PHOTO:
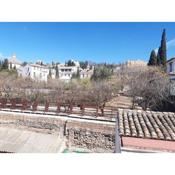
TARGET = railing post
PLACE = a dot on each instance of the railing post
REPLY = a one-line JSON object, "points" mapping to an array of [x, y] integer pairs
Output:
{"points": [[117, 136], [35, 105], [24, 104], [58, 106], [46, 106]]}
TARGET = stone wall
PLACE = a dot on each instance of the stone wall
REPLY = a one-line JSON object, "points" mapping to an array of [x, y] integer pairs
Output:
{"points": [[82, 134], [90, 137], [33, 123]]}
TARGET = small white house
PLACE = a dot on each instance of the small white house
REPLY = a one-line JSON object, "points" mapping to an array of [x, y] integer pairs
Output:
{"points": [[170, 65], [13, 62], [86, 73], [66, 72], [34, 71], [53, 73]]}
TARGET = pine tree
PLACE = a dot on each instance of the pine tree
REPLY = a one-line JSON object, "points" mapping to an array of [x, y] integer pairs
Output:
{"points": [[162, 53], [153, 59]]}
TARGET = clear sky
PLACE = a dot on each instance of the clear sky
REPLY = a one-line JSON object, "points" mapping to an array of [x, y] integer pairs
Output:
{"points": [[97, 42]]}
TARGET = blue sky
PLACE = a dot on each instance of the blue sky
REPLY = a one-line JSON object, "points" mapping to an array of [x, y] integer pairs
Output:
{"points": [[97, 42]]}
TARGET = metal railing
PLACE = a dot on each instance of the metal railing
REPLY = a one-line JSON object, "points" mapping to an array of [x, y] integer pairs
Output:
{"points": [[59, 107]]}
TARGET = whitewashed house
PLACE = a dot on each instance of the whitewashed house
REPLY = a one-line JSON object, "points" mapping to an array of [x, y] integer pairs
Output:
{"points": [[13, 62], [66, 72], [41, 72], [34, 71], [53, 73], [170, 66], [86, 73]]}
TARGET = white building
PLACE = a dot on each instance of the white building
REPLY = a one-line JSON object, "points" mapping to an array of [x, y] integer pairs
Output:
{"points": [[170, 66], [13, 62], [135, 63], [53, 73], [86, 73], [66, 72], [34, 71], [40, 72]]}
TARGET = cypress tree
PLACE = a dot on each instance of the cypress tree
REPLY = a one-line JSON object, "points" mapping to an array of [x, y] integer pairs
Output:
{"points": [[163, 54], [158, 57], [153, 59], [10, 65], [50, 74], [5, 64], [57, 71]]}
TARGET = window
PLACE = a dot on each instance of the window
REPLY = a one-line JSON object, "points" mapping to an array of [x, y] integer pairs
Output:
{"points": [[171, 67], [34, 74]]}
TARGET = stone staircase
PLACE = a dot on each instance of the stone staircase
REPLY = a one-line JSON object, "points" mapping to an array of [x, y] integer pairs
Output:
{"points": [[122, 102]]}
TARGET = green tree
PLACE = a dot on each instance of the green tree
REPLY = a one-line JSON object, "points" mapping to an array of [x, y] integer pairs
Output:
{"points": [[5, 64], [24, 63], [57, 71], [50, 73], [102, 72], [163, 50], [83, 64], [152, 59], [70, 63], [76, 75], [158, 57], [10, 65]]}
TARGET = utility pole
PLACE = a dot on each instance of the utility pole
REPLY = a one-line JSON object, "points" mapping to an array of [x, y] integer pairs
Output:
{"points": [[117, 137]]}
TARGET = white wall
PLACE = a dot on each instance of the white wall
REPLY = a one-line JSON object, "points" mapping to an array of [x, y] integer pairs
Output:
{"points": [[35, 73], [173, 67]]}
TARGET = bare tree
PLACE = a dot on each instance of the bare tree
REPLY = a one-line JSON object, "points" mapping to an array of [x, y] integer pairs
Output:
{"points": [[149, 87]]}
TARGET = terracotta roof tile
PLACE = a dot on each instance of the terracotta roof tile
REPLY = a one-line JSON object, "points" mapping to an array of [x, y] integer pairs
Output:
{"points": [[147, 124]]}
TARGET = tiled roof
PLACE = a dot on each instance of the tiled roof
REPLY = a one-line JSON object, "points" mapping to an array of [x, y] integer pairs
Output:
{"points": [[40, 66], [170, 59], [147, 124]]}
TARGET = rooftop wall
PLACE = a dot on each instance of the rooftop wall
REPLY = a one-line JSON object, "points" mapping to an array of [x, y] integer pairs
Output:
{"points": [[91, 136]]}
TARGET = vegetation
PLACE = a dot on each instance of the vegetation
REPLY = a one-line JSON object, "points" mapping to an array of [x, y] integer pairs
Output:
{"points": [[4, 64], [24, 63], [70, 63], [76, 75], [153, 59], [83, 64], [161, 57], [57, 71], [149, 87], [162, 51], [102, 72], [74, 92]]}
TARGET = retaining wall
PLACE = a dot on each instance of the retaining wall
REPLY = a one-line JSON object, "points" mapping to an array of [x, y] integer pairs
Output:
{"points": [[80, 134], [91, 136]]}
